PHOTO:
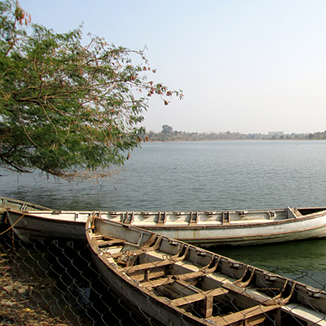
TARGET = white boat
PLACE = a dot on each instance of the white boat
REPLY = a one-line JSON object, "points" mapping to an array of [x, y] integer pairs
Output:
{"points": [[174, 283], [205, 228]]}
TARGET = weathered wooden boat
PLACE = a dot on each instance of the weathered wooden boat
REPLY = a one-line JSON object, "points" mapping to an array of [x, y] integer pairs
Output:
{"points": [[206, 229], [6, 203], [174, 283]]}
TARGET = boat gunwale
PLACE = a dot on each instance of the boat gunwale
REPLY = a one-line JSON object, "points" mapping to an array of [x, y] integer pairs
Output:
{"points": [[25, 213], [162, 226]]}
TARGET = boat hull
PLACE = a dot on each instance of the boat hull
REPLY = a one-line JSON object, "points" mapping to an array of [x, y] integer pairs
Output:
{"points": [[30, 228], [205, 231], [135, 298], [179, 284], [250, 235]]}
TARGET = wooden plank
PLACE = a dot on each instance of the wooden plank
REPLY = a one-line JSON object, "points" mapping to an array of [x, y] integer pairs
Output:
{"points": [[188, 276], [198, 296], [253, 316], [108, 243], [145, 276], [150, 265], [208, 306], [158, 282]]}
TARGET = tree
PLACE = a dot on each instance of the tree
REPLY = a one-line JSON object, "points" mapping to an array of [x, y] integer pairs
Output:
{"points": [[68, 109], [166, 129]]}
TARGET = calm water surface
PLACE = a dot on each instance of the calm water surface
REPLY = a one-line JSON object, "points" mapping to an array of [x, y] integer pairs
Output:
{"points": [[206, 176]]}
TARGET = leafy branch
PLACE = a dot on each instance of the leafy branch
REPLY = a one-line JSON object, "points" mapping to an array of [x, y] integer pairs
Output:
{"points": [[68, 109]]}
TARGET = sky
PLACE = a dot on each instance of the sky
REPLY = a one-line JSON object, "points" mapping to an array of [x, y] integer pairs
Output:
{"points": [[243, 66]]}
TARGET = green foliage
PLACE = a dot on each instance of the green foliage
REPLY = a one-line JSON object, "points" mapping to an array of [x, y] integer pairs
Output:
{"points": [[65, 107], [167, 129]]}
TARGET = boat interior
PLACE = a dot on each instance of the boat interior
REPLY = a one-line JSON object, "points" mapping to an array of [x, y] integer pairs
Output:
{"points": [[209, 287], [165, 219]]}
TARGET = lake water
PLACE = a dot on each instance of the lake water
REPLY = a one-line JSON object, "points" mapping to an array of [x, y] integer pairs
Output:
{"points": [[196, 176]]}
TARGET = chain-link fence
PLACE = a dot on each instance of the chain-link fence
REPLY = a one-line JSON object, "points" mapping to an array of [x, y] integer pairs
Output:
{"points": [[56, 283]]}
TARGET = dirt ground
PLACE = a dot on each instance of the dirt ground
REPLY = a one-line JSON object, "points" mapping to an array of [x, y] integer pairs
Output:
{"points": [[17, 298]]}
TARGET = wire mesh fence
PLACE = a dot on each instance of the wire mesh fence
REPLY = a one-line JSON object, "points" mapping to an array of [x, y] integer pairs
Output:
{"points": [[56, 283]]}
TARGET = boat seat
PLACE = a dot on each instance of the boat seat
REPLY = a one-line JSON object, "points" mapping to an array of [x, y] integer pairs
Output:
{"points": [[158, 282], [202, 295], [146, 266], [206, 298], [109, 242]]}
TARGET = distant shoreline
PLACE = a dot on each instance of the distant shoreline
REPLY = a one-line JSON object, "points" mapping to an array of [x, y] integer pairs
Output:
{"points": [[222, 140], [171, 138], [178, 136]]}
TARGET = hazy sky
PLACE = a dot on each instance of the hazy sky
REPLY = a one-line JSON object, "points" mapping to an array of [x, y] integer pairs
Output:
{"points": [[248, 66]]}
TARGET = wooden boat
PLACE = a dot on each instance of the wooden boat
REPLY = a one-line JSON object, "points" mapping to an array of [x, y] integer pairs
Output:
{"points": [[6, 203], [174, 283], [204, 228]]}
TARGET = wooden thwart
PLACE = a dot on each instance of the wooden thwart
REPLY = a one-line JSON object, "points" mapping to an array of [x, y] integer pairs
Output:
{"points": [[149, 265], [198, 296], [109, 242], [158, 282]]}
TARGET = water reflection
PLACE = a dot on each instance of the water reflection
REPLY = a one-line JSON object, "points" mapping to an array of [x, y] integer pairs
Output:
{"points": [[192, 176]]}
